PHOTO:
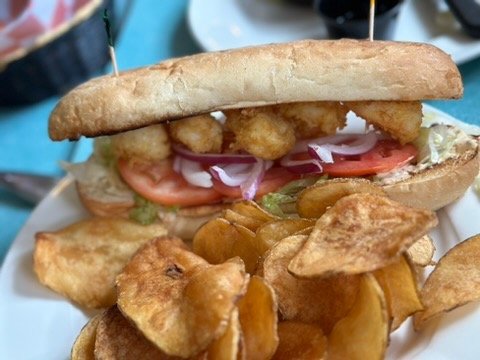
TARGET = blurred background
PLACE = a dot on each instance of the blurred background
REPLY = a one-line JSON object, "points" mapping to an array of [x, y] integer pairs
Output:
{"points": [[49, 46]]}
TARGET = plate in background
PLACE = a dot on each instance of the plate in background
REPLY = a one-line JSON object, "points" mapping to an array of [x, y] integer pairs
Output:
{"points": [[219, 25]]}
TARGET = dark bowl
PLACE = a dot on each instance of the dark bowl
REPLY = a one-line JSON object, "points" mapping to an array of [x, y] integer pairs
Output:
{"points": [[350, 18]]}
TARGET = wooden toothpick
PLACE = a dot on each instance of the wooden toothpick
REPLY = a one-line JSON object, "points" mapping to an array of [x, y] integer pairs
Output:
{"points": [[111, 49], [371, 20]]}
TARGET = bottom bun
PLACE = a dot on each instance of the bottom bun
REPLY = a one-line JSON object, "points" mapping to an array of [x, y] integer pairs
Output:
{"points": [[439, 185], [183, 223]]}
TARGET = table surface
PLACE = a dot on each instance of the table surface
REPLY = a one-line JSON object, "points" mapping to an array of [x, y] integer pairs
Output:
{"points": [[163, 30]]}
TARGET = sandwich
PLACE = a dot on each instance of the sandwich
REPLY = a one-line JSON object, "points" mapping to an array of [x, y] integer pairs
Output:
{"points": [[183, 139]]}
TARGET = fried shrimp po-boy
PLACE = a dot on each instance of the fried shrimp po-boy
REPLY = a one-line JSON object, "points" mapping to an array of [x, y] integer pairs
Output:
{"points": [[184, 138]]}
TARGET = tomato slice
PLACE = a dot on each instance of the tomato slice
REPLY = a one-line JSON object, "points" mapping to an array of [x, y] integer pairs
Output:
{"points": [[161, 184], [385, 156], [274, 179]]}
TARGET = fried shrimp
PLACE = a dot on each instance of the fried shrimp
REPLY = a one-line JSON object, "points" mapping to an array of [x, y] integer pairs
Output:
{"points": [[150, 143], [401, 119], [314, 119], [261, 132], [201, 134]]}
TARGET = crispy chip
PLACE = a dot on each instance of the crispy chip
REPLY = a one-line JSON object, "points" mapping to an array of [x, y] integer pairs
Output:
{"points": [[360, 233], [227, 347], [258, 317], [253, 210], [363, 333], [118, 339], [399, 284], [422, 251], [316, 199], [300, 341], [177, 300], [82, 260], [249, 222], [84, 346], [320, 300], [219, 240], [455, 281], [270, 233]]}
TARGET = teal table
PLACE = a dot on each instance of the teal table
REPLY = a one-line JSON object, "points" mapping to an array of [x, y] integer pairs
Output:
{"points": [[155, 30]]}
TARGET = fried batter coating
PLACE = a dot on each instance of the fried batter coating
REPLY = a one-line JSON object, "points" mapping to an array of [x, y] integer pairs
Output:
{"points": [[261, 132], [201, 134], [401, 119], [314, 119], [150, 143]]}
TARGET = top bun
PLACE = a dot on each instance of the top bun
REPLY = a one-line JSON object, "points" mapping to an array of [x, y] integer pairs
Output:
{"points": [[309, 70]]}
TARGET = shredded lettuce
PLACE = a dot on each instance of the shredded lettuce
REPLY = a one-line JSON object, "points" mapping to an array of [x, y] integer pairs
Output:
{"points": [[103, 151], [144, 212], [437, 143], [282, 202]]}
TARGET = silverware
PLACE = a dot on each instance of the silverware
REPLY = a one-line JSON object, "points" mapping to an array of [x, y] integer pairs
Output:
{"points": [[29, 187]]}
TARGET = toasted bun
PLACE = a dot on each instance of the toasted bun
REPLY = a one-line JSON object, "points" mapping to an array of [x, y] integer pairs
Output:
{"points": [[439, 185], [309, 70], [183, 223]]}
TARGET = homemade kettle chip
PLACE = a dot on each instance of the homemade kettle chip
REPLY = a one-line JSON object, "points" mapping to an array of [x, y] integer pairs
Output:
{"points": [[399, 284], [81, 261], [455, 281], [421, 252], [118, 339], [84, 345], [271, 232], [316, 199], [320, 300], [300, 341], [360, 233], [176, 299], [258, 318], [363, 332], [219, 240]]}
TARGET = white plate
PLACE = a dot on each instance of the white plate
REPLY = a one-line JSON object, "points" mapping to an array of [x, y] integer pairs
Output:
{"points": [[220, 24], [36, 323]]}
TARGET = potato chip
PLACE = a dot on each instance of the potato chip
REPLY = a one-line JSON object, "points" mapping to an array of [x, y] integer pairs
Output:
{"points": [[360, 233], [227, 347], [252, 209], [82, 260], [249, 222], [219, 240], [84, 346], [455, 281], [258, 318], [300, 341], [320, 300], [421, 252], [271, 232], [363, 333], [177, 300], [399, 284], [316, 199], [118, 339]]}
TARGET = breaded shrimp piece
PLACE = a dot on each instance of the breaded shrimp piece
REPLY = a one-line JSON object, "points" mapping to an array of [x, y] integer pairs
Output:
{"points": [[314, 119], [150, 143], [401, 119], [261, 132], [201, 134]]}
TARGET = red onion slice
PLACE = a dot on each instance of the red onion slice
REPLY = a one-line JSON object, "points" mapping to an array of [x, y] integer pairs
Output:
{"points": [[307, 166], [320, 152], [361, 145], [231, 175], [250, 186], [213, 159], [194, 174]]}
